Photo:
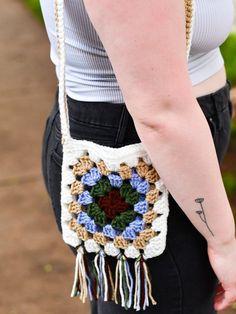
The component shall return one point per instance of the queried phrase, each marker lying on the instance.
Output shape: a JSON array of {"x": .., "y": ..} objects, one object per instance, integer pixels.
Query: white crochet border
[{"x": 72, "y": 150}]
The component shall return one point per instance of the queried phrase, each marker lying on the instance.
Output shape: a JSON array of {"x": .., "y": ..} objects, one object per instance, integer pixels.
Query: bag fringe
[
  {"x": 123, "y": 282},
  {"x": 102, "y": 284},
  {"x": 143, "y": 287},
  {"x": 80, "y": 281}
]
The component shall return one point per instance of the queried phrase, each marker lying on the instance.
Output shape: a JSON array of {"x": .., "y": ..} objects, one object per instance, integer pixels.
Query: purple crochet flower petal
[
  {"x": 115, "y": 180},
  {"x": 85, "y": 198},
  {"x": 129, "y": 233},
  {"x": 135, "y": 180},
  {"x": 109, "y": 231},
  {"x": 141, "y": 207},
  {"x": 91, "y": 226},
  {"x": 83, "y": 218},
  {"x": 137, "y": 225},
  {"x": 88, "y": 179},
  {"x": 95, "y": 174},
  {"x": 143, "y": 187}
]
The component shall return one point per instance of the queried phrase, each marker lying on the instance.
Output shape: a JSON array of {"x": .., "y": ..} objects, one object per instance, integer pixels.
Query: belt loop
[{"x": 122, "y": 126}]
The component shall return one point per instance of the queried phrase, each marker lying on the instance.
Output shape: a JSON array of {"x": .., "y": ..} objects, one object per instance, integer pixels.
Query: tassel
[
  {"x": 124, "y": 280},
  {"x": 137, "y": 285},
  {"x": 80, "y": 283},
  {"x": 129, "y": 281},
  {"x": 97, "y": 275},
  {"x": 146, "y": 300},
  {"x": 96, "y": 281},
  {"x": 149, "y": 285},
  {"x": 105, "y": 284},
  {"x": 143, "y": 287},
  {"x": 110, "y": 283},
  {"x": 103, "y": 275},
  {"x": 89, "y": 288},
  {"x": 87, "y": 271}
]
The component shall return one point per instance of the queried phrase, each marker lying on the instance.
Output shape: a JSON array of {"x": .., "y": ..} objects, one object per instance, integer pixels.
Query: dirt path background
[{"x": 36, "y": 267}]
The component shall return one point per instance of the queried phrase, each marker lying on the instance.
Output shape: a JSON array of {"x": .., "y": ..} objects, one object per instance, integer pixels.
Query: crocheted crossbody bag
[{"x": 113, "y": 202}]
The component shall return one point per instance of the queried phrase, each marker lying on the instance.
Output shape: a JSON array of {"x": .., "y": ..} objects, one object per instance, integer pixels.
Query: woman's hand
[{"x": 223, "y": 259}]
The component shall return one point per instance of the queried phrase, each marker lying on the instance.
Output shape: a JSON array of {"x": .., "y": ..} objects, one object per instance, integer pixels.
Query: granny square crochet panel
[
  {"x": 113, "y": 203},
  {"x": 116, "y": 209}
]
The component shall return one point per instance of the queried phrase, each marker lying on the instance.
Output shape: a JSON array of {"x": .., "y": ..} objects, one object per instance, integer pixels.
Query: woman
[{"x": 183, "y": 108}]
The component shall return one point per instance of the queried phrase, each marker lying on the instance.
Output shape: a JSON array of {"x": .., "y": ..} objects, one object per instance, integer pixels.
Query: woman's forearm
[
  {"x": 183, "y": 153},
  {"x": 150, "y": 75}
]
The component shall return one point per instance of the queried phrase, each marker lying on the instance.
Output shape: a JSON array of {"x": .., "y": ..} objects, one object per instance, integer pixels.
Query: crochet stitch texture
[{"x": 112, "y": 205}]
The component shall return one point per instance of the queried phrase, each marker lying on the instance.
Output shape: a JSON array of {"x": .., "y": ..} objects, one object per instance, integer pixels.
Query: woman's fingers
[
  {"x": 224, "y": 298},
  {"x": 222, "y": 260},
  {"x": 219, "y": 288}
]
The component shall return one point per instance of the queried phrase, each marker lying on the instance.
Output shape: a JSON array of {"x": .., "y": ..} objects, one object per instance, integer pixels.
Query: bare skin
[
  {"x": 212, "y": 84},
  {"x": 224, "y": 293},
  {"x": 189, "y": 159}
]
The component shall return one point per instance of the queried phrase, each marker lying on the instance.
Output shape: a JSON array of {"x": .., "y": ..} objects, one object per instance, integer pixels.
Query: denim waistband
[
  {"x": 216, "y": 102},
  {"x": 109, "y": 114}
]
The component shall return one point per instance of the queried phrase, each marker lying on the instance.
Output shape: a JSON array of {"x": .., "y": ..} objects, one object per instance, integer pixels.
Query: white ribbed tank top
[{"x": 89, "y": 73}]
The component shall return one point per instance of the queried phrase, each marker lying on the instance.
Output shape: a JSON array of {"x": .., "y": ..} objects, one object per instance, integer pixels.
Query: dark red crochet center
[{"x": 113, "y": 204}]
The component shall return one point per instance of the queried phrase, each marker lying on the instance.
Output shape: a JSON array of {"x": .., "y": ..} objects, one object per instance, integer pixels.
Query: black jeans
[{"x": 184, "y": 282}]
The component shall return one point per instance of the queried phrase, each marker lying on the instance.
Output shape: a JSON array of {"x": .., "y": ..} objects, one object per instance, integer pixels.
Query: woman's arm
[{"x": 145, "y": 41}]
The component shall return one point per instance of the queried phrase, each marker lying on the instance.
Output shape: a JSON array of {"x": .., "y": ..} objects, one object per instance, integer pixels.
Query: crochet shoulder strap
[{"x": 59, "y": 20}]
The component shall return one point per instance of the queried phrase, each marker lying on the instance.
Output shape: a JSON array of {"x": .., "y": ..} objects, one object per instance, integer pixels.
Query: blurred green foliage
[
  {"x": 233, "y": 128},
  {"x": 34, "y": 5},
  {"x": 228, "y": 50},
  {"x": 229, "y": 180}
]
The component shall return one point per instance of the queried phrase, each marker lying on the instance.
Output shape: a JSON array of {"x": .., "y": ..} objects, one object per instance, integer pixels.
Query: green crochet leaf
[
  {"x": 93, "y": 209},
  {"x": 101, "y": 188},
  {"x": 130, "y": 195},
  {"x": 100, "y": 219},
  {"x": 120, "y": 222},
  {"x": 125, "y": 189},
  {"x": 95, "y": 212}
]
